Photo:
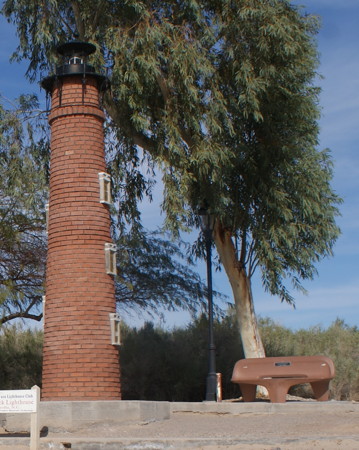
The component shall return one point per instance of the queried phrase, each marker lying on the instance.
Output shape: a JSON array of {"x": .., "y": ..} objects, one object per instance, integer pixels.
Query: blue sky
[{"x": 335, "y": 292}]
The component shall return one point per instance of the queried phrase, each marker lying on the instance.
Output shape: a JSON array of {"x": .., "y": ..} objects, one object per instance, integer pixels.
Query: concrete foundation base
[
  {"x": 129, "y": 425},
  {"x": 70, "y": 416}
]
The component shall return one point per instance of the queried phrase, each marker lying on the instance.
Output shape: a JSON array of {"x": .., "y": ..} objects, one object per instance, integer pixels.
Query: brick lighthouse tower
[{"x": 80, "y": 357}]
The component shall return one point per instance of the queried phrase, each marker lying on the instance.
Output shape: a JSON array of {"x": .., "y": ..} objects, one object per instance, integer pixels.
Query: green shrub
[
  {"x": 277, "y": 340},
  {"x": 339, "y": 341},
  {"x": 20, "y": 357},
  {"x": 172, "y": 365},
  {"x": 162, "y": 365}
]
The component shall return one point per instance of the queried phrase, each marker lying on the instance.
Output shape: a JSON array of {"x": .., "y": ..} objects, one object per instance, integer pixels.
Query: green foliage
[
  {"x": 154, "y": 273},
  {"x": 278, "y": 340},
  {"x": 339, "y": 341},
  {"x": 161, "y": 365},
  {"x": 23, "y": 188},
  {"x": 20, "y": 358},
  {"x": 172, "y": 365},
  {"x": 220, "y": 96}
]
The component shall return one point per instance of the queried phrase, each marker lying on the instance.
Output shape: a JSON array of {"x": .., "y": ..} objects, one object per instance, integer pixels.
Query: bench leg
[
  {"x": 248, "y": 392},
  {"x": 277, "y": 393},
  {"x": 321, "y": 390}
]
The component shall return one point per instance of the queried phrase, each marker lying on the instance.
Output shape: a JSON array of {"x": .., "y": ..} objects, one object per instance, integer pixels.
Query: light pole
[{"x": 207, "y": 223}]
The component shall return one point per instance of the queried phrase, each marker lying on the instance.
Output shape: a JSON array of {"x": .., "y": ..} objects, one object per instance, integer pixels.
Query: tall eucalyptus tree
[{"x": 219, "y": 97}]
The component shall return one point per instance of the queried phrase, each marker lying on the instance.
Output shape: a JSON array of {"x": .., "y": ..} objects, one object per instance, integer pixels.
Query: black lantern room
[{"x": 74, "y": 55}]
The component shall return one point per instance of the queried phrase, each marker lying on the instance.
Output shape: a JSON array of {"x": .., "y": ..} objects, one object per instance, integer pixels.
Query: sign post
[
  {"x": 35, "y": 423},
  {"x": 24, "y": 401}
]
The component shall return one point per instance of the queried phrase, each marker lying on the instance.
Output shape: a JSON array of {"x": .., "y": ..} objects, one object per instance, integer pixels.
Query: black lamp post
[{"x": 207, "y": 223}]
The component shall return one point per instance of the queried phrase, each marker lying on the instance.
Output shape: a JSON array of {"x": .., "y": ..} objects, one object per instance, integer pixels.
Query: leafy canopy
[
  {"x": 218, "y": 96},
  {"x": 23, "y": 188}
]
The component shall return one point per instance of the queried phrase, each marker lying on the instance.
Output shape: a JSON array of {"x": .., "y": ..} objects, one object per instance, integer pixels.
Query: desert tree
[{"x": 219, "y": 98}]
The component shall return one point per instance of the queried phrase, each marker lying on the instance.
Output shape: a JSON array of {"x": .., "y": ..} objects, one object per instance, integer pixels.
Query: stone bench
[{"x": 278, "y": 374}]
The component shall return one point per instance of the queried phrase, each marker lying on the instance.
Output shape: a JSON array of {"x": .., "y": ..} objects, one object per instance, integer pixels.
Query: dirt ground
[
  {"x": 252, "y": 431},
  {"x": 298, "y": 429}
]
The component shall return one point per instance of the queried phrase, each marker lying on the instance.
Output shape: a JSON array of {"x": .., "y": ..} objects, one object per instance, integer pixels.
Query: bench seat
[{"x": 278, "y": 374}]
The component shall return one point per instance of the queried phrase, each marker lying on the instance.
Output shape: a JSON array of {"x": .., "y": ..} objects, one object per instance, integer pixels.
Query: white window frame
[
  {"x": 43, "y": 308},
  {"x": 115, "y": 324},
  {"x": 110, "y": 258},
  {"x": 47, "y": 211},
  {"x": 105, "y": 188}
]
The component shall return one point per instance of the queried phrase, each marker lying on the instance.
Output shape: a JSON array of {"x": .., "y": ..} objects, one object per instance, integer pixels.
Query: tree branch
[
  {"x": 99, "y": 12},
  {"x": 242, "y": 256},
  {"x": 139, "y": 139},
  {"x": 163, "y": 87},
  {"x": 64, "y": 22},
  {"x": 79, "y": 22},
  {"x": 21, "y": 315}
]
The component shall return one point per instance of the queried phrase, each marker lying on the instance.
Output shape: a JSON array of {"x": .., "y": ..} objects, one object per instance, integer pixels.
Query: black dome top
[{"x": 76, "y": 47}]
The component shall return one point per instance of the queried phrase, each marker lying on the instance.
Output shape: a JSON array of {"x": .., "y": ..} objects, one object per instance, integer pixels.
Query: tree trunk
[{"x": 242, "y": 293}]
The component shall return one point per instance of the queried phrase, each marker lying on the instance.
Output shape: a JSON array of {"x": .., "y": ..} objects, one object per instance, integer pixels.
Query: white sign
[{"x": 20, "y": 401}]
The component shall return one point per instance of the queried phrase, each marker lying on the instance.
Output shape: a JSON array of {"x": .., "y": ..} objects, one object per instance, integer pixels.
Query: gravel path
[{"x": 292, "y": 428}]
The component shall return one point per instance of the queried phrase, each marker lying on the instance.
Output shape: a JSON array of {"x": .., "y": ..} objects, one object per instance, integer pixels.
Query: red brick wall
[{"x": 80, "y": 363}]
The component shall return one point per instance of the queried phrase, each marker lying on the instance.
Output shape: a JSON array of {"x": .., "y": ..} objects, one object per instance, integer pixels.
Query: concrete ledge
[
  {"x": 262, "y": 407},
  {"x": 295, "y": 425},
  {"x": 70, "y": 416}
]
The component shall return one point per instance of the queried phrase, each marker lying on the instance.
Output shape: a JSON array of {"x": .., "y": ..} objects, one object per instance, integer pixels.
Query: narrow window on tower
[
  {"x": 110, "y": 255},
  {"x": 115, "y": 329},
  {"x": 47, "y": 208},
  {"x": 105, "y": 188},
  {"x": 43, "y": 307}
]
